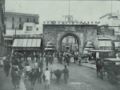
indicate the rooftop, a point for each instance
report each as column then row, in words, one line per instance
column 110, row 15
column 23, row 14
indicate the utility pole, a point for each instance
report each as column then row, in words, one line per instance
column 69, row 17
column 111, row 7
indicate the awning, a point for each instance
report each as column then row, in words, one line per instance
column 89, row 44
column 117, row 44
column 101, row 50
column 8, row 38
column 27, row 43
column 49, row 49
column 105, row 43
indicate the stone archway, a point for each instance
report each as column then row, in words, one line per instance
column 65, row 35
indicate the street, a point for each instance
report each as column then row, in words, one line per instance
column 59, row 45
column 81, row 78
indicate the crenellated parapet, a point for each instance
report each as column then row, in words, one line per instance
column 71, row 22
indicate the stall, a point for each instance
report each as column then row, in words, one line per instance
column 49, row 52
column 49, row 48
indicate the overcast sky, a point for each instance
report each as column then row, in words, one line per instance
column 56, row 9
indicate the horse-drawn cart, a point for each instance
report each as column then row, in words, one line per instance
column 111, row 68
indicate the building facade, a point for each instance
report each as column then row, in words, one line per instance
column 18, row 25
column 56, row 31
column 15, row 20
column 112, row 20
column 2, row 26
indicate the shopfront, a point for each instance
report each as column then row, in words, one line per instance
column 27, row 47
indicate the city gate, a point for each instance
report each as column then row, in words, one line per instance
column 83, row 32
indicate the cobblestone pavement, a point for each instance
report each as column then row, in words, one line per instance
column 81, row 78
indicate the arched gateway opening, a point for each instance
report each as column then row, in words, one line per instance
column 69, row 42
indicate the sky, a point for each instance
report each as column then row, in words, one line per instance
column 85, row 10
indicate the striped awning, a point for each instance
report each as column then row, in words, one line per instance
column 27, row 43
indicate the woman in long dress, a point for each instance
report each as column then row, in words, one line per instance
column 22, row 84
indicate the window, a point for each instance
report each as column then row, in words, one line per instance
column 5, row 18
column 20, row 23
column 37, row 29
column 34, row 20
column 13, row 26
column 20, row 26
column 12, row 19
column 29, row 28
column 119, row 27
column 27, row 19
column 20, row 20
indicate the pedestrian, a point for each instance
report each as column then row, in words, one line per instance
column 36, row 65
column 6, row 66
column 27, row 70
column 51, row 59
column 98, row 67
column 60, row 58
column 40, row 75
column 1, row 63
column 15, row 75
column 33, row 77
column 47, row 59
column 75, row 57
column 80, row 59
column 66, row 74
column 51, row 67
column 47, row 79
column 58, row 74
column 22, row 84
column 67, row 59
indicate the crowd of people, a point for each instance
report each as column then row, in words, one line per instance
column 39, row 68
column 33, row 70
column 67, row 57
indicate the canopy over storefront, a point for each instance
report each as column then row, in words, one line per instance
column 27, row 44
column 50, row 47
column 89, row 45
column 105, row 43
column 117, row 46
column 101, row 50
